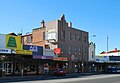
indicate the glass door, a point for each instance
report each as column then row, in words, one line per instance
column 8, row 67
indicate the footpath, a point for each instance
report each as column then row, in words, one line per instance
column 40, row 77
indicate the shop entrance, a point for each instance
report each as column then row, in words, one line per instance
column 8, row 67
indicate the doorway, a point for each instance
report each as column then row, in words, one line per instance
column 8, row 67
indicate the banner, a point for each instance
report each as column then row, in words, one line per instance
column 13, row 42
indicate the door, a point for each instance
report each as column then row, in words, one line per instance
column 8, row 67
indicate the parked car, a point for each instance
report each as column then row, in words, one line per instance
column 60, row 71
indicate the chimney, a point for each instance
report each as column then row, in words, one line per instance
column 43, row 23
column 70, row 24
column 115, row 49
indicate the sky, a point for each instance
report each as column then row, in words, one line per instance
column 97, row 17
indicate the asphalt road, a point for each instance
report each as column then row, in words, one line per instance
column 102, row 78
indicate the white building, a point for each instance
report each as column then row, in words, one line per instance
column 91, row 51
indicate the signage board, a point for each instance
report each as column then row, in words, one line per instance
column 60, row 59
column 13, row 42
column 102, row 59
column 5, row 50
column 42, row 57
column 36, row 50
column 48, row 52
column 57, row 50
column 24, row 52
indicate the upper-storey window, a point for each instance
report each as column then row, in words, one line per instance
column 29, row 39
column 75, row 37
column 63, row 34
column 79, row 51
column 43, row 35
column 85, row 39
column 69, row 50
column 70, row 36
column 79, row 37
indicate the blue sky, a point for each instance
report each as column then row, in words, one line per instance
column 99, row 17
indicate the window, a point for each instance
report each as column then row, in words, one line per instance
column 22, row 40
column 85, row 39
column 69, row 50
column 79, row 37
column 79, row 51
column 43, row 35
column 70, row 36
column 92, row 54
column 84, row 51
column 63, row 34
column 62, row 48
column 47, row 47
column 75, row 37
column 29, row 39
column 75, row 49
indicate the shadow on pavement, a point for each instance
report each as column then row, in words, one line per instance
column 41, row 77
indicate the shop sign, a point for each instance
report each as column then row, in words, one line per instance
column 57, row 50
column 36, row 50
column 60, row 59
column 13, row 42
column 51, row 36
column 4, row 50
column 42, row 57
column 24, row 52
column 2, row 40
column 48, row 52
column 102, row 59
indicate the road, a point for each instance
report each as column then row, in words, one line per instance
column 102, row 78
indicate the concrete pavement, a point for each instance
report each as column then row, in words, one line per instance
column 40, row 77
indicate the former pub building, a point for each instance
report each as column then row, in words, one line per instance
column 36, row 52
column 59, row 34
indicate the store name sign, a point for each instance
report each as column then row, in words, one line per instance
column 34, row 48
column 4, row 50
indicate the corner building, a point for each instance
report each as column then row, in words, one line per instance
column 73, row 43
column 61, row 34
